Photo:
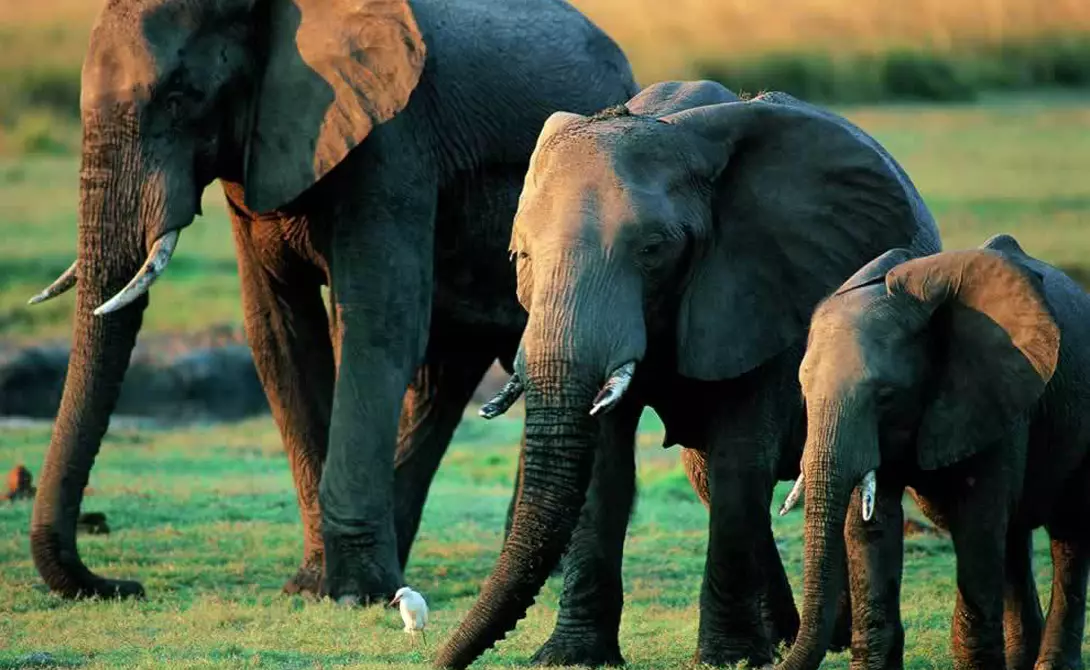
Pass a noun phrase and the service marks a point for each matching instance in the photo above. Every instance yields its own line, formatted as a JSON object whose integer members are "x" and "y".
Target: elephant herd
{"x": 477, "y": 180}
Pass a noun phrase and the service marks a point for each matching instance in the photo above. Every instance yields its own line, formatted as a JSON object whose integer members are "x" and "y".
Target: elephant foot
{"x": 1059, "y": 663}
{"x": 725, "y": 654}
{"x": 355, "y": 576}
{"x": 306, "y": 581}
{"x": 591, "y": 648}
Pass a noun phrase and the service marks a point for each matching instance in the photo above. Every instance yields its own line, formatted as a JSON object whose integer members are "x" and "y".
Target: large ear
{"x": 997, "y": 345}
{"x": 335, "y": 69}
{"x": 801, "y": 199}
{"x": 667, "y": 97}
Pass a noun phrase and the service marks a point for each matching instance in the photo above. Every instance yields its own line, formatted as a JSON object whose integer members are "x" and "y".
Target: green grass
{"x": 1014, "y": 164}
{"x": 206, "y": 518}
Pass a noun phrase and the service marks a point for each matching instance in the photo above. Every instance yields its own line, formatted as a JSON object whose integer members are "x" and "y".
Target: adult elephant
{"x": 965, "y": 375}
{"x": 374, "y": 146}
{"x": 669, "y": 253}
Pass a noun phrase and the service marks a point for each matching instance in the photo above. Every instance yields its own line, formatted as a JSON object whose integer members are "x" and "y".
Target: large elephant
{"x": 966, "y": 376}
{"x": 373, "y": 146}
{"x": 669, "y": 254}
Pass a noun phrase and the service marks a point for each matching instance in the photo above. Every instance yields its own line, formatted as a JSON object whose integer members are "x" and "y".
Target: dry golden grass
{"x": 663, "y": 39}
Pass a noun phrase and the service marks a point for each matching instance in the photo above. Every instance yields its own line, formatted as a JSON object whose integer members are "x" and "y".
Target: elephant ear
{"x": 667, "y": 97}
{"x": 335, "y": 70}
{"x": 997, "y": 347}
{"x": 800, "y": 200}
{"x": 875, "y": 271}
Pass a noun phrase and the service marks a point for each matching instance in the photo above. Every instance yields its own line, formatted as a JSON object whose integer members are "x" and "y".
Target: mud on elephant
{"x": 669, "y": 253}
{"x": 373, "y": 146}
{"x": 966, "y": 376}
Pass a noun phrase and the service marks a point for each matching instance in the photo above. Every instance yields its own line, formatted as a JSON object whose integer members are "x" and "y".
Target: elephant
{"x": 375, "y": 147}
{"x": 964, "y": 375}
{"x": 669, "y": 252}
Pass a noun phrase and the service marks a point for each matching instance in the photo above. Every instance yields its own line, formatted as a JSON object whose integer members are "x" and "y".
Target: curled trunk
{"x": 557, "y": 467}
{"x": 110, "y": 252}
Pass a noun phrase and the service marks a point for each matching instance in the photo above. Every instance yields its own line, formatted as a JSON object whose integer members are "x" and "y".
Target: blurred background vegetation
{"x": 831, "y": 51}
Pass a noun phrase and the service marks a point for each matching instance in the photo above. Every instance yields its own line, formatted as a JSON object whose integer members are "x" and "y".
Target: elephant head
{"x": 921, "y": 360}
{"x": 686, "y": 224}
{"x": 269, "y": 94}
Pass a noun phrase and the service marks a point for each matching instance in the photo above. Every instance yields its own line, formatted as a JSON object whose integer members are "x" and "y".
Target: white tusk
{"x": 793, "y": 497}
{"x": 157, "y": 261}
{"x": 66, "y": 281}
{"x": 870, "y": 487}
{"x": 614, "y": 388}
{"x": 503, "y": 400}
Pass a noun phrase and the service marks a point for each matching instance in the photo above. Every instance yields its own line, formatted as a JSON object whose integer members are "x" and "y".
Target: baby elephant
{"x": 964, "y": 375}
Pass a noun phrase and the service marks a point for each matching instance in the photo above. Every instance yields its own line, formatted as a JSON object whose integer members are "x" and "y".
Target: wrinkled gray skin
{"x": 691, "y": 234}
{"x": 966, "y": 376}
{"x": 373, "y": 146}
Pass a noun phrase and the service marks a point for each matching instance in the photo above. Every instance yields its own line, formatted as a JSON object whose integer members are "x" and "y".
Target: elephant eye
{"x": 651, "y": 249}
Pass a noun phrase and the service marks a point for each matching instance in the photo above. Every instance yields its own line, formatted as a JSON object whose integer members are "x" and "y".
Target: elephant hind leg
{"x": 288, "y": 331}
{"x": 430, "y": 413}
{"x": 1022, "y": 620}
{"x": 1061, "y": 644}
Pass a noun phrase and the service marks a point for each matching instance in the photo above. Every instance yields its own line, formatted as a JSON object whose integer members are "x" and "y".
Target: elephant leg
{"x": 1061, "y": 644}
{"x": 980, "y": 547}
{"x": 778, "y": 612}
{"x": 1022, "y": 620}
{"x": 382, "y": 247}
{"x": 732, "y": 627}
{"x": 590, "y": 606}
{"x": 288, "y": 331}
{"x": 875, "y": 551}
{"x": 777, "y": 604}
{"x": 432, "y": 408}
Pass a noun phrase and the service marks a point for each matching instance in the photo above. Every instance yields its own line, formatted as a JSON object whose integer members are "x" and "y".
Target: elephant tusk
{"x": 503, "y": 400}
{"x": 614, "y": 389}
{"x": 793, "y": 497}
{"x": 157, "y": 261}
{"x": 870, "y": 487}
{"x": 61, "y": 285}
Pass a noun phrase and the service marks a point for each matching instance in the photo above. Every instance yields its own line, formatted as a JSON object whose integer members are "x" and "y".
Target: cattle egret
{"x": 414, "y": 611}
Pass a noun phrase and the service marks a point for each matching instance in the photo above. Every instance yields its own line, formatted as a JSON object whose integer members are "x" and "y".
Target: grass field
{"x": 206, "y": 516}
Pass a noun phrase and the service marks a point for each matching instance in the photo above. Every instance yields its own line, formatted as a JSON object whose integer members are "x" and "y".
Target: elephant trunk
{"x": 832, "y": 467}
{"x": 558, "y": 462}
{"x": 113, "y": 202}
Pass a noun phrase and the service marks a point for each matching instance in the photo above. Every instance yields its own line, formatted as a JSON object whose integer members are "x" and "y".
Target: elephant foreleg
{"x": 288, "y": 331}
{"x": 1061, "y": 644}
{"x": 590, "y": 606}
{"x": 430, "y": 412}
{"x": 382, "y": 247}
{"x": 1022, "y": 619}
{"x": 778, "y": 611}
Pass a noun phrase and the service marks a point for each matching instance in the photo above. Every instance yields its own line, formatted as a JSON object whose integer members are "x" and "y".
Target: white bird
{"x": 414, "y": 611}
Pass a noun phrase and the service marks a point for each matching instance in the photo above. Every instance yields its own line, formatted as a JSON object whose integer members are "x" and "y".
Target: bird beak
{"x": 393, "y": 602}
